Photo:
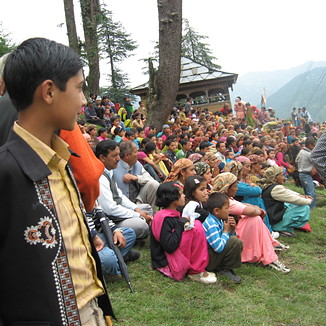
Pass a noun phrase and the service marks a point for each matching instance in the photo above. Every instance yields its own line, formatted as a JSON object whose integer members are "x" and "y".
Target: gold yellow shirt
{"x": 75, "y": 234}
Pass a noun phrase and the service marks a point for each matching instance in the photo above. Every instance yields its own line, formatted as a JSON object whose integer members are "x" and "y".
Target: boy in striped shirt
{"x": 224, "y": 247}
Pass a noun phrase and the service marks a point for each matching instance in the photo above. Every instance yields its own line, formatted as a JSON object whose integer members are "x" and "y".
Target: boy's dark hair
{"x": 34, "y": 61}
{"x": 167, "y": 193}
{"x": 168, "y": 142}
{"x": 139, "y": 129}
{"x": 101, "y": 130}
{"x": 191, "y": 184}
{"x": 218, "y": 144}
{"x": 270, "y": 150}
{"x": 150, "y": 136}
{"x": 129, "y": 133}
{"x": 184, "y": 141}
{"x": 227, "y": 153}
{"x": 203, "y": 145}
{"x": 104, "y": 147}
{"x": 216, "y": 200}
{"x": 113, "y": 118}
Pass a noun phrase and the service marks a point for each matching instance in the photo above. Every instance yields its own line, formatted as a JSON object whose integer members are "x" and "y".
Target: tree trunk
{"x": 168, "y": 74}
{"x": 71, "y": 25}
{"x": 90, "y": 10}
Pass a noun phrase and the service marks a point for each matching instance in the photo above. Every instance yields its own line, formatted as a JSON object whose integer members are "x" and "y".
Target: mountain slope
{"x": 305, "y": 90}
{"x": 250, "y": 86}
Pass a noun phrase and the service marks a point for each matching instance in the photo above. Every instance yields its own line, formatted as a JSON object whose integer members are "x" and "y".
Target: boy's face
{"x": 271, "y": 155}
{"x": 223, "y": 212}
{"x": 67, "y": 104}
{"x": 172, "y": 147}
{"x": 141, "y": 134}
{"x": 187, "y": 147}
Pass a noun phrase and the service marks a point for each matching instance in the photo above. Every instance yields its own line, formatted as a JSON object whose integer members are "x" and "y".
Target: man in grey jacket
{"x": 305, "y": 166}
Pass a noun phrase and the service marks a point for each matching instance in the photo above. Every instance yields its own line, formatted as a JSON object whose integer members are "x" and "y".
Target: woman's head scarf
{"x": 242, "y": 159}
{"x": 209, "y": 157}
{"x": 222, "y": 182}
{"x": 234, "y": 167}
{"x": 201, "y": 168}
{"x": 178, "y": 166}
{"x": 270, "y": 176}
{"x": 195, "y": 157}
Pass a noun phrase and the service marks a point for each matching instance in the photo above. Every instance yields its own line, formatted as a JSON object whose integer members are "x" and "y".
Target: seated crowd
{"x": 208, "y": 188}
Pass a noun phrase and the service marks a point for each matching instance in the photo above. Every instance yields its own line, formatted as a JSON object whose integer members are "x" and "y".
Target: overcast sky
{"x": 245, "y": 35}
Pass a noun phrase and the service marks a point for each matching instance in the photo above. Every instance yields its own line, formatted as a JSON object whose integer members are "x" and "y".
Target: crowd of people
{"x": 246, "y": 154}
{"x": 208, "y": 189}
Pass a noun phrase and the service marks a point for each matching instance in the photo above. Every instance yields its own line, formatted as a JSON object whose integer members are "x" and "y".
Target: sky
{"x": 245, "y": 35}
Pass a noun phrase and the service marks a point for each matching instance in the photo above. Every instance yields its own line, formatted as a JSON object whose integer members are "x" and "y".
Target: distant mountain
{"x": 250, "y": 86}
{"x": 305, "y": 90}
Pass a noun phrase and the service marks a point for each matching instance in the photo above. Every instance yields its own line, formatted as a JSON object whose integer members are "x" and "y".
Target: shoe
{"x": 280, "y": 267}
{"x": 281, "y": 247}
{"x": 275, "y": 235}
{"x": 230, "y": 273}
{"x": 287, "y": 234}
{"x": 209, "y": 279}
{"x": 132, "y": 255}
{"x": 211, "y": 274}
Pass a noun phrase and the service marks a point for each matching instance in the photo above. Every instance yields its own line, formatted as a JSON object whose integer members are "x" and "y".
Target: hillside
{"x": 307, "y": 89}
{"x": 250, "y": 85}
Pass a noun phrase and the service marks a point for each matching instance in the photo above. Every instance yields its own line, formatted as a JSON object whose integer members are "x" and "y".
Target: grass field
{"x": 265, "y": 297}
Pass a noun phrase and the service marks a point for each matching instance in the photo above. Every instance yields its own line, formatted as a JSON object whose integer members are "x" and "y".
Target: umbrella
{"x": 109, "y": 238}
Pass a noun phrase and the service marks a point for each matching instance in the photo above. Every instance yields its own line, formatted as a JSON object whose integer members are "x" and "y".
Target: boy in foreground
{"x": 224, "y": 247}
{"x": 51, "y": 271}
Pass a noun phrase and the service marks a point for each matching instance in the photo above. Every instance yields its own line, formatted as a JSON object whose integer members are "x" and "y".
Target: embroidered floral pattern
{"x": 43, "y": 233}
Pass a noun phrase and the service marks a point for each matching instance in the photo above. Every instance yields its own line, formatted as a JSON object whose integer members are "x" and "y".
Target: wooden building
{"x": 209, "y": 88}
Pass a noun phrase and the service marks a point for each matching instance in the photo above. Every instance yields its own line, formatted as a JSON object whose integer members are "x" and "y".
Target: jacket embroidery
{"x": 44, "y": 233}
{"x": 60, "y": 267}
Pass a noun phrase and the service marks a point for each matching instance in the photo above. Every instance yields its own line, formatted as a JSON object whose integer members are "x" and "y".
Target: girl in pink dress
{"x": 258, "y": 244}
{"x": 176, "y": 252}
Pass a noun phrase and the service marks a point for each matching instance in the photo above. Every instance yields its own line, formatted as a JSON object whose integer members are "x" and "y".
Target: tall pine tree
{"x": 194, "y": 47}
{"x": 116, "y": 45}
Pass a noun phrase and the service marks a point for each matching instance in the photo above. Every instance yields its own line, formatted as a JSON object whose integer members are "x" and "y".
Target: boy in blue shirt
{"x": 224, "y": 247}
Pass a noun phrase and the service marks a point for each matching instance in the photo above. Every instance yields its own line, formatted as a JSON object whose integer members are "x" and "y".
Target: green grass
{"x": 265, "y": 297}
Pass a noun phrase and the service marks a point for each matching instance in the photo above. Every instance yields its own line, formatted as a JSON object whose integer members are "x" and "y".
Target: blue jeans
{"x": 308, "y": 187}
{"x": 152, "y": 172}
{"x": 109, "y": 260}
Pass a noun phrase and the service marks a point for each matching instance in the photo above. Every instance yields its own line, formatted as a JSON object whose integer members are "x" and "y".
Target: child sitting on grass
{"x": 174, "y": 252}
{"x": 224, "y": 247}
{"x": 196, "y": 194}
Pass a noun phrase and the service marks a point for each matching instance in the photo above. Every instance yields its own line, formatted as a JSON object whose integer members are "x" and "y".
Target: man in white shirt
{"x": 114, "y": 203}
